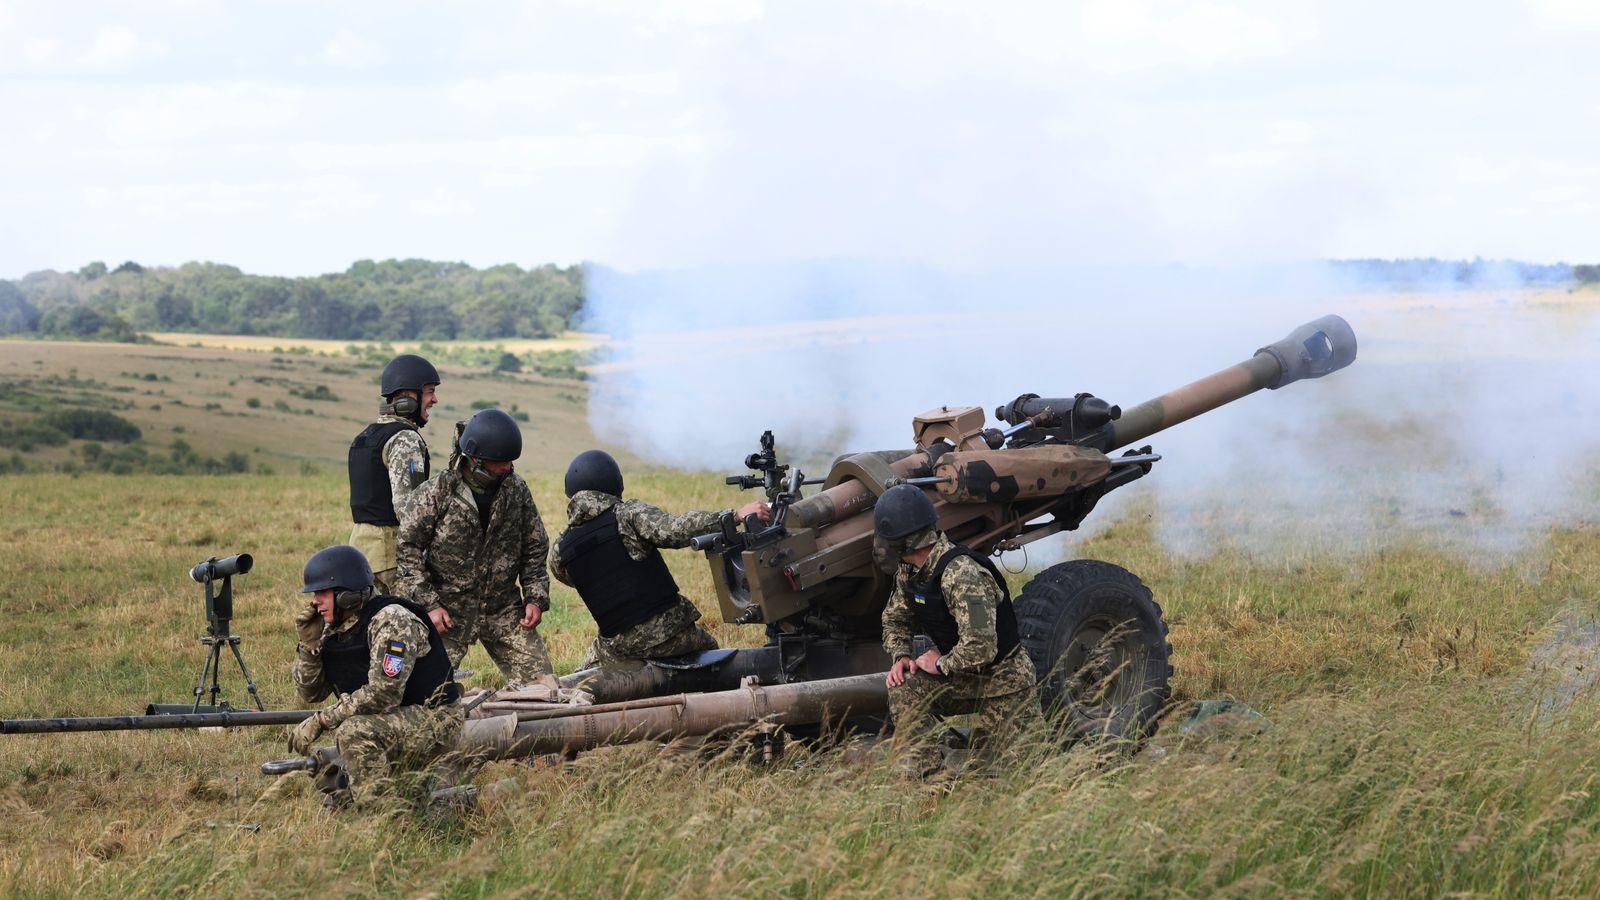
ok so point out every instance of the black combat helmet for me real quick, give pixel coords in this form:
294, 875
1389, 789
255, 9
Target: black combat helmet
594, 470
491, 434
902, 511
340, 568
407, 372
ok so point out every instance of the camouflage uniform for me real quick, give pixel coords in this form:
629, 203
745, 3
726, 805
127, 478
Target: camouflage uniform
643, 528
375, 734
449, 561
405, 455
1002, 693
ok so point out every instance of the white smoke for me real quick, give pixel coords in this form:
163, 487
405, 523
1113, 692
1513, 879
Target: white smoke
877, 228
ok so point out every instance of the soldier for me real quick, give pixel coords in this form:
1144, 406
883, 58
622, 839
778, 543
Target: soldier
396, 707
389, 459
471, 535
959, 600
611, 554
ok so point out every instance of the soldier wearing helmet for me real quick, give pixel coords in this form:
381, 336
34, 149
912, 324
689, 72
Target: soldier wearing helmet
610, 553
396, 706
472, 551
388, 459
958, 599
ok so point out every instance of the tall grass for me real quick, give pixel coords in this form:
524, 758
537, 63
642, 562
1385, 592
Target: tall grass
1417, 746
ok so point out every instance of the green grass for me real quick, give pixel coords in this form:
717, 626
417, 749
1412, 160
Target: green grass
1407, 753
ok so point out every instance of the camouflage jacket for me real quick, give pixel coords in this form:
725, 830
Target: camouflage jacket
382, 692
971, 594
643, 527
405, 456
447, 558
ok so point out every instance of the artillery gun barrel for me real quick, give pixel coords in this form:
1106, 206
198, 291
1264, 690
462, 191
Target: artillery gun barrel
152, 723
684, 715
1313, 350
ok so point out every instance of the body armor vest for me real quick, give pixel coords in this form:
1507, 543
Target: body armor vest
933, 614
347, 659
370, 498
621, 592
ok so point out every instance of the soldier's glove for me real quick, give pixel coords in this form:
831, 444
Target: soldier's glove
302, 735
308, 629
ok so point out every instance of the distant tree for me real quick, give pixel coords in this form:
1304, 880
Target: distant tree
129, 266
16, 313
92, 271
509, 362
1586, 274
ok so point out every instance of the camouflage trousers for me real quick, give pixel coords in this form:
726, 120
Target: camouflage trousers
673, 632
1005, 699
518, 652
378, 748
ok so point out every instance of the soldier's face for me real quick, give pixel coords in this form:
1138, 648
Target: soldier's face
430, 396
495, 467
324, 601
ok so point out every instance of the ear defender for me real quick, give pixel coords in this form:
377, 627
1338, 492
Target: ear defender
352, 599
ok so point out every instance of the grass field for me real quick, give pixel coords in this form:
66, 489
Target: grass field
1433, 728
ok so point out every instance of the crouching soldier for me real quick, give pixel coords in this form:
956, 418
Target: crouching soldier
611, 554
396, 708
472, 551
958, 599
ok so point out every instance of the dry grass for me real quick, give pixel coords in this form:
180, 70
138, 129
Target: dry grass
1405, 755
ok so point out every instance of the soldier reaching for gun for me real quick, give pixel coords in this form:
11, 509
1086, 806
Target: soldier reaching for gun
396, 706
472, 551
959, 600
611, 554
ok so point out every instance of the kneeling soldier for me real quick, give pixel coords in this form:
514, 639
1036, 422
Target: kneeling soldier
397, 706
959, 600
611, 554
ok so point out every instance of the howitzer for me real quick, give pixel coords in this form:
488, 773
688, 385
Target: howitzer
1093, 630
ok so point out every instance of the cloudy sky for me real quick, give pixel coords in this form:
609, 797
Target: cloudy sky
295, 137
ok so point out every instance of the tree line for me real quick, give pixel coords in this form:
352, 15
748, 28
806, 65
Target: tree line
411, 299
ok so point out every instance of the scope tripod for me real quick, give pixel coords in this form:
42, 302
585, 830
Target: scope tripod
219, 622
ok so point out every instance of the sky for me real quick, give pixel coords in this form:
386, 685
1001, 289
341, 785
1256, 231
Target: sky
296, 137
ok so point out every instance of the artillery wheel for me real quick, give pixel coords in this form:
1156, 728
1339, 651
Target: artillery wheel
1100, 647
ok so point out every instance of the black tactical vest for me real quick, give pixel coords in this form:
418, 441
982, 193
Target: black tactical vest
370, 499
619, 591
347, 660
933, 614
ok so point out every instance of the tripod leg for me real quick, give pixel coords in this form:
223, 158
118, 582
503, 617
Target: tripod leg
205, 669
216, 671
250, 684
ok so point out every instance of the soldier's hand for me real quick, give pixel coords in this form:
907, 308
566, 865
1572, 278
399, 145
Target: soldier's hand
757, 507
301, 736
308, 627
929, 662
531, 616
898, 672
441, 620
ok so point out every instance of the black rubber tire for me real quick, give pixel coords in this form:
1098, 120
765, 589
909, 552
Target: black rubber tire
1088, 688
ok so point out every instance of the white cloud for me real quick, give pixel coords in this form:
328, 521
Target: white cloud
117, 46
349, 50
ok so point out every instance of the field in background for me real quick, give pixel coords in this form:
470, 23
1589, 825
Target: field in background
1433, 720
284, 411
572, 340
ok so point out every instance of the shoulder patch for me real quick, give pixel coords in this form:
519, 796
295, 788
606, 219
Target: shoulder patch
393, 665
397, 647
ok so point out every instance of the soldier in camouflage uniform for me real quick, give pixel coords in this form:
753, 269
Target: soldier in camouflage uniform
959, 600
389, 459
396, 708
471, 537
610, 553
